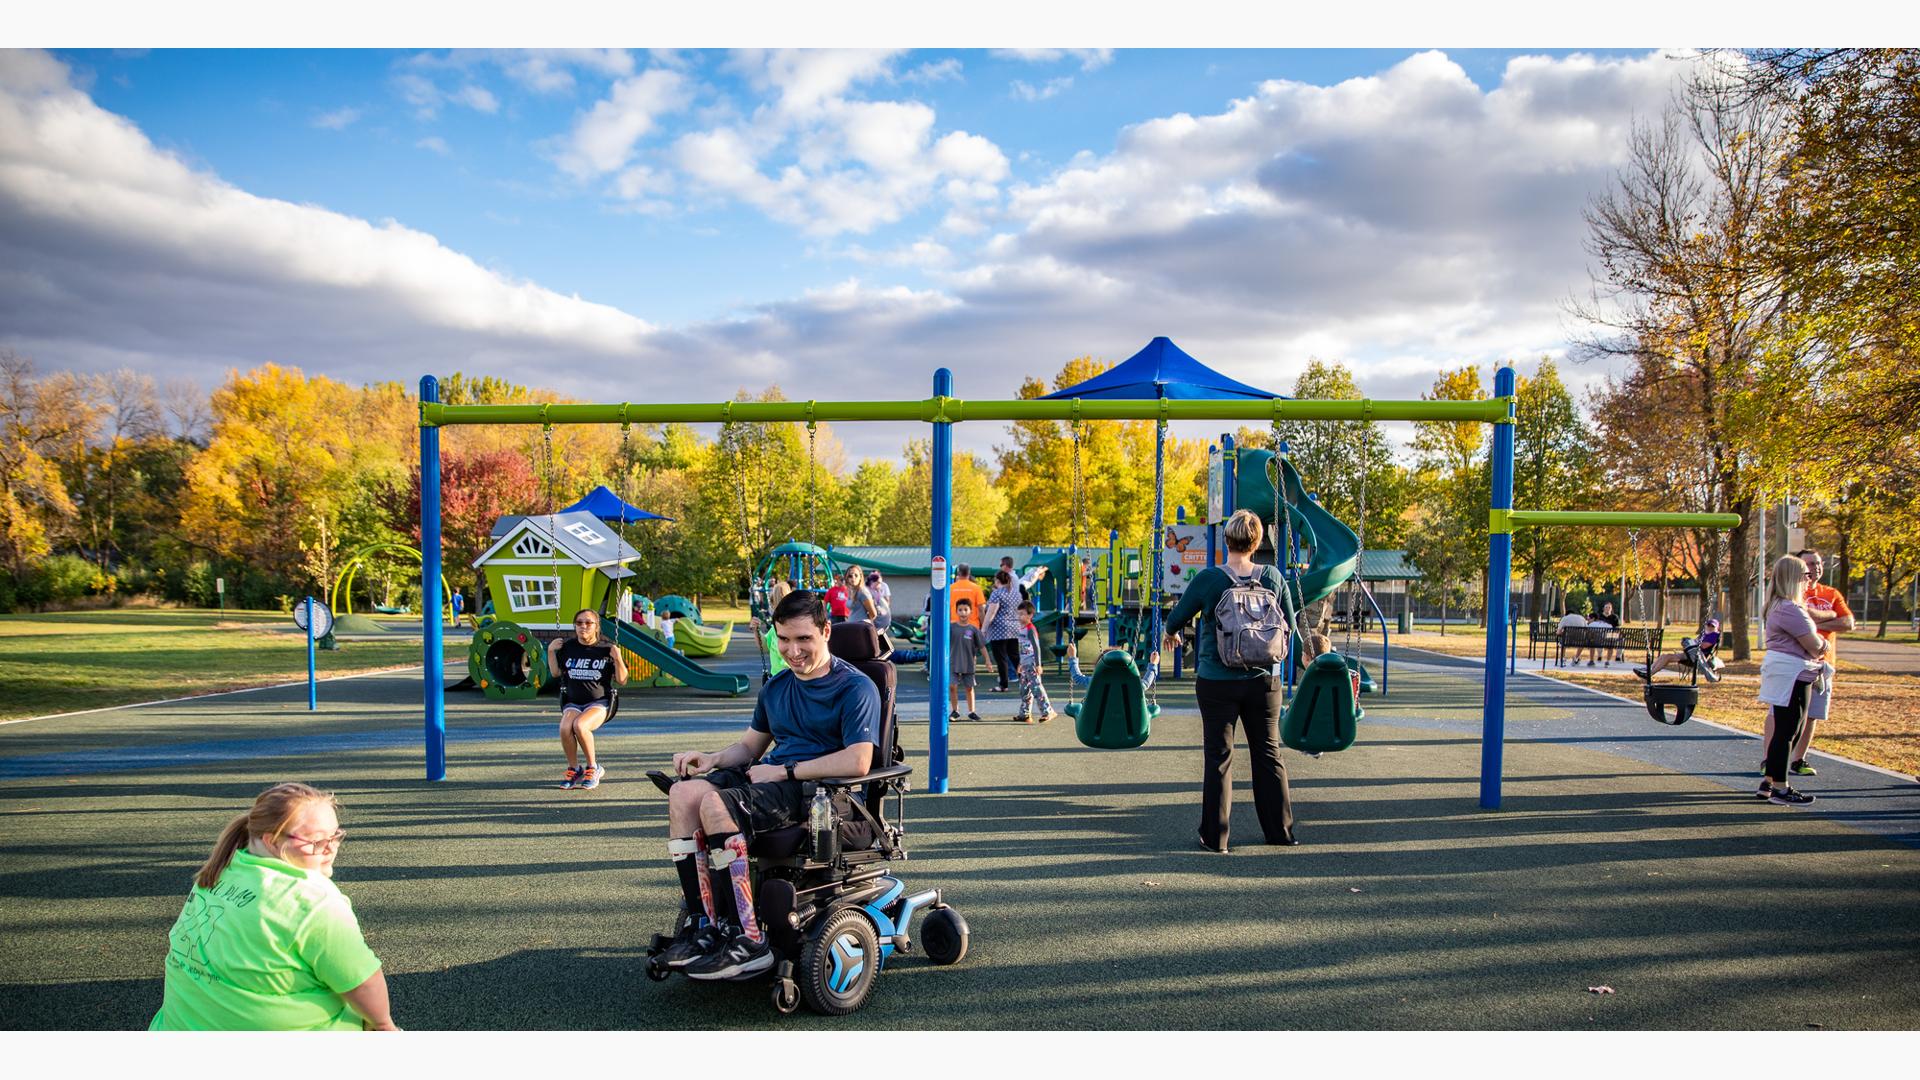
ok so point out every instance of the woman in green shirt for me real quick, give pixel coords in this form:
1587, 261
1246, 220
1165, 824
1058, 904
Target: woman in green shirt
1230, 695
266, 941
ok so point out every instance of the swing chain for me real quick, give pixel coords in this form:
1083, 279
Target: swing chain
552, 487
813, 536
730, 446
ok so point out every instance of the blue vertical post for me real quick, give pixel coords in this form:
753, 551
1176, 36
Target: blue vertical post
1499, 585
313, 685
939, 622
432, 652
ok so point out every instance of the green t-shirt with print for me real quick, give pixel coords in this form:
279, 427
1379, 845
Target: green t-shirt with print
270, 947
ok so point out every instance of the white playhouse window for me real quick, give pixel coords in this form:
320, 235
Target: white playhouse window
533, 593
585, 532
532, 547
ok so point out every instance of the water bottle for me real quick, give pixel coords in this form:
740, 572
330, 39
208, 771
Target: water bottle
820, 821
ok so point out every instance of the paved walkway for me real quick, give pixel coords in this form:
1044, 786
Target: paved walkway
1892, 657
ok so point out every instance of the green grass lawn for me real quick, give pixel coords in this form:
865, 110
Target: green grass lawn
67, 661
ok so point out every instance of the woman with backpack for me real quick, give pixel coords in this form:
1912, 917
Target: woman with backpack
1231, 690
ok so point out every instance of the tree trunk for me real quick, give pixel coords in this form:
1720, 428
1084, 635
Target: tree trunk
1740, 579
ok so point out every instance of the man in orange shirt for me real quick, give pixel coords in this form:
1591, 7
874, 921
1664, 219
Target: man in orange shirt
1831, 617
965, 588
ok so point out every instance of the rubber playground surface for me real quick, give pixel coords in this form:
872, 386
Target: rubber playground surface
1626, 855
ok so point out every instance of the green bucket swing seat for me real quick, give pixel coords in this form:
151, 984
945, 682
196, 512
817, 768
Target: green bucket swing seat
1323, 716
1115, 713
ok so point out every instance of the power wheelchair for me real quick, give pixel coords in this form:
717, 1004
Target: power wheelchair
834, 918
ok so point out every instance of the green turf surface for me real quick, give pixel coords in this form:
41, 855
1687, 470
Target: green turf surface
68, 661
497, 901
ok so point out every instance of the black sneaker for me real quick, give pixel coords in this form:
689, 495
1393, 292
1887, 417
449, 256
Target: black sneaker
1786, 796
696, 938
736, 957
1641, 670
1765, 792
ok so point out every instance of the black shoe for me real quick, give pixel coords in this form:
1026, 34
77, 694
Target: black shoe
1641, 670
736, 957
696, 938
1204, 846
1765, 792
1786, 796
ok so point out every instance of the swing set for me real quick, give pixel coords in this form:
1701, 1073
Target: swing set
943, 410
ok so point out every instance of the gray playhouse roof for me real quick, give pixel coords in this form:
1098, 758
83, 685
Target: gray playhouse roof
585, 539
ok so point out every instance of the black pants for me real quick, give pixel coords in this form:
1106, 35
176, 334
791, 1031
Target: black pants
1787, 722
1256, 702
1006, 658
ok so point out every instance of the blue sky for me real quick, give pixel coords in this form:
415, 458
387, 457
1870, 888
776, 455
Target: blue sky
674, 225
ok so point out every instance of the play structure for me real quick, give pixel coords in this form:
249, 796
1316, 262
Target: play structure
340, 597
1161, 384
539, 569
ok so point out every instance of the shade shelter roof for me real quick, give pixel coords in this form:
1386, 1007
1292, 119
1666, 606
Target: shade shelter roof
1161, 370
607, 506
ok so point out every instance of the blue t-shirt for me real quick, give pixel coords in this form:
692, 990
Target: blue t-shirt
810, 718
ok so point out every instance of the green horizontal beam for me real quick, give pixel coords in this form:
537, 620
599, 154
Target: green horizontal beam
1625, 519
956, 410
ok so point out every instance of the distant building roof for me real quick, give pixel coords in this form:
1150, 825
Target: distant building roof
1390, 565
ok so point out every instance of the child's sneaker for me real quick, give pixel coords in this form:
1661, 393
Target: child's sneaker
592, 780
574, 775
1023, 718
973, 716
1641, 670
1050, 714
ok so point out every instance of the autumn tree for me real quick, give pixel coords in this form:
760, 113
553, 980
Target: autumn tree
1553, 469
978, 502
43, 420
1682, 274
1448, 539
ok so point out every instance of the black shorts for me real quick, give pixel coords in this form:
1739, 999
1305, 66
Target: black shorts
582, 706
759, 808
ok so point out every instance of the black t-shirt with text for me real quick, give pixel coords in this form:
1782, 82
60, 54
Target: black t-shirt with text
586, 672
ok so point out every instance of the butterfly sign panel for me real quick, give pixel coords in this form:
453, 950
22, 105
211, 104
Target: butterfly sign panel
1184, 554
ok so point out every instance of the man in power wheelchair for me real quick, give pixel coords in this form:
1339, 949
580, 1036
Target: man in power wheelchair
782, 853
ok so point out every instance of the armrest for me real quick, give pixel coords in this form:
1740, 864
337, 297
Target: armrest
888, 773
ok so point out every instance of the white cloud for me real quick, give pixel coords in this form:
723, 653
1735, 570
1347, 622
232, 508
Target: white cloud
477, 98
119, 251
935, 71
544, 71
436, 144
1090, 59
337, 119
603, 140
805, 79
1022, 90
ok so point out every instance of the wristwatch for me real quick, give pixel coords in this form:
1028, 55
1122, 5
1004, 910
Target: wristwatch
790, 775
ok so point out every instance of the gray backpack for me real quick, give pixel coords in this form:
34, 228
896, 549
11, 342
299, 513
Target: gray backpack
1249, 624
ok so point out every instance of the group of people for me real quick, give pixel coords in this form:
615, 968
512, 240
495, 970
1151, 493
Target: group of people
997, 625
266, 940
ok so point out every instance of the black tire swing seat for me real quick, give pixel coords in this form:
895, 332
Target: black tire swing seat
1678, 697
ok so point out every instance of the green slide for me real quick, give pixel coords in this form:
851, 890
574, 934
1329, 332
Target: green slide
1336, 549
655, 652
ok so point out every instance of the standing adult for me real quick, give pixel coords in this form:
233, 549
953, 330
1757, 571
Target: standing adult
860, 605
965, 588
1230, 695
1831, 617
882, 595
1795, 658
267, 941
1003, 627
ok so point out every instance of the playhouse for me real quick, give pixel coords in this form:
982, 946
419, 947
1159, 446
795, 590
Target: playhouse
542, 568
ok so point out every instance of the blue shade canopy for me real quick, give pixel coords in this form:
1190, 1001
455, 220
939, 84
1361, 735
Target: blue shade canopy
607, 506
1162, 370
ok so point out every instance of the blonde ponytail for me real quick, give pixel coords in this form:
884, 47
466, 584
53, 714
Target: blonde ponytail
272, 813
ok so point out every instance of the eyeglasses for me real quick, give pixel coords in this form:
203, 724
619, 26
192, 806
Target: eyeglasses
325, 843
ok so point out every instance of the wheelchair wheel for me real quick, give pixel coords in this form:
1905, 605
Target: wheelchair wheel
838, 963
943, 935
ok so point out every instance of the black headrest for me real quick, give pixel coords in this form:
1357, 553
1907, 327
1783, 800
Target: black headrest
857, 641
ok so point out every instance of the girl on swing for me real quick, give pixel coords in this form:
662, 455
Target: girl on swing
584, 663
